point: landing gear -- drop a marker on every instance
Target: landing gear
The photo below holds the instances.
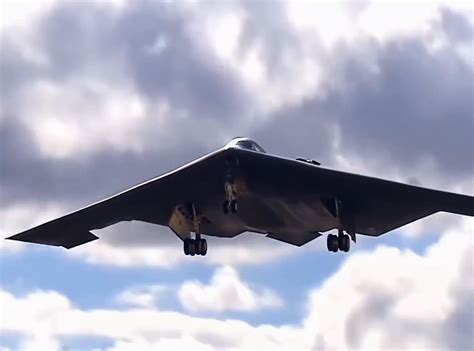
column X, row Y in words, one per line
column 233, row 206
column 201, row 247
column 344, row 243
column 230, row 203
column 229, row 206
column 189, row 247
column 339, row 242
column 195, row 247
column 332, row 242
column 198, row 245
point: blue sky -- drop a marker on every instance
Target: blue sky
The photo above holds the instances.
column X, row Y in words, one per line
column 100, row 95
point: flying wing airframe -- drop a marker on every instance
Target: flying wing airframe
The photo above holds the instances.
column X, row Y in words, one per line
column 240, row 188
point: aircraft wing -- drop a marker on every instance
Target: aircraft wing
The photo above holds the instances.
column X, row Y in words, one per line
column 375, row 206
column 152, row 201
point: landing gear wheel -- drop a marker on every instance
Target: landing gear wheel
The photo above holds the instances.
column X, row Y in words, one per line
column 189, row 247
column 192, row 247
column 198, row 245
column 226, row 207
column 344, row 243
column 202, row 244
column 195, row 247
column 201, row 247
column 233, row 206
column 186, row 246
column 332, row 243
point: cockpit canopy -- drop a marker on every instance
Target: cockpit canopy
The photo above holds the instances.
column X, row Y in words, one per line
column 246, row 143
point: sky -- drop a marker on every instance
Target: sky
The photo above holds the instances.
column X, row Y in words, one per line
column 97, row 96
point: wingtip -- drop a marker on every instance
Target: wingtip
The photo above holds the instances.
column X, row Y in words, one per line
column 11, row 237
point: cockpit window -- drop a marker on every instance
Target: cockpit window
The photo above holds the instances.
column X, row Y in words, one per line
column 250, row 145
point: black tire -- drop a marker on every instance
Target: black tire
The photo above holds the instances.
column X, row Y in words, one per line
column 186, row 246
column 346, row 243
column 203, row 245
column 225, row 207
column 198, row 243
column 233, row 206
column 332, row 243
column 192, row 247
column 340, row 241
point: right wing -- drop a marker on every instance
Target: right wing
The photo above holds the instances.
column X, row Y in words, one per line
column 375, row 205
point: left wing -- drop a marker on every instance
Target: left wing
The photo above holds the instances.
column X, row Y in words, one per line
column 152, row 201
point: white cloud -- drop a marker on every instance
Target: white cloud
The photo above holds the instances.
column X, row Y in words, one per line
column 64, row 117
column 186, row 342
column 226, row 292
column 141, row 296
column 50, row 315
column 394, row 298
column 233, row 252
column 102, row 253
column 433, row 224
column 338, row 21
column 40, row 342
column 16, row 218
column 43, row 310
column 387, row 298
column 20, row 13
column 223, row 28
column 330, row 21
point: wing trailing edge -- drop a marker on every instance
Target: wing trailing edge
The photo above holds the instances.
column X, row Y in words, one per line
column 66, row 240
column 297, row 239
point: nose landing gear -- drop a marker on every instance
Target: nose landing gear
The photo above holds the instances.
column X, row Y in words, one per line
column 229, row 206
column 233, row 184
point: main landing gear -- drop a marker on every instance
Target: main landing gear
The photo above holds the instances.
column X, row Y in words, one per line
column 195, row 247
column 342, row 241
column 339, row 242
column 198, row 245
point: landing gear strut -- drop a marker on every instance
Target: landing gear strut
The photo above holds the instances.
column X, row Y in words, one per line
column 198, row 245
column 230, row 203
column 340, row 241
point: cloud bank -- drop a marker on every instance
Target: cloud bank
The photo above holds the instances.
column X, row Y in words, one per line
column 387, row 298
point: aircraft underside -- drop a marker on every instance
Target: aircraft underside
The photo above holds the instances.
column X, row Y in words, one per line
column 283, row 217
